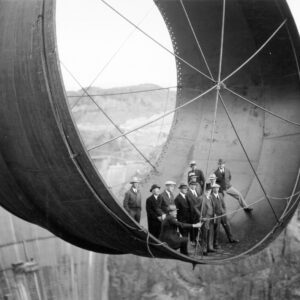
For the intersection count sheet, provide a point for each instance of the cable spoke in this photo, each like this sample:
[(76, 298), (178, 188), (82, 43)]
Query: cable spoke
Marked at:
[(126, 93), (155, 41), (255, 53), (113, 56), (196, 39), (246, 154), (212, 130), (260, 107), (222, 41), (156, 119), (110, 119)]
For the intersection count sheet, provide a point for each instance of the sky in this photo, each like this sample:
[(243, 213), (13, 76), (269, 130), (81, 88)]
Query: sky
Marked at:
[(90, 35)]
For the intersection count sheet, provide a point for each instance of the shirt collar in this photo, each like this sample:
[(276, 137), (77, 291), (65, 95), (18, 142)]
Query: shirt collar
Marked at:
[(183, 195)]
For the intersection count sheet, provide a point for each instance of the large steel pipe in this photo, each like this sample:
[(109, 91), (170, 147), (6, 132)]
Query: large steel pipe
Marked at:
[(47, 176)]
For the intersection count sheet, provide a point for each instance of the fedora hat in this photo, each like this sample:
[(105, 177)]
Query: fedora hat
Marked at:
[(183, 186), (208, 186), (171, 207), (221, 161), (170, 182), (134, 180), (215, 186), (212, 176), (154, 186)]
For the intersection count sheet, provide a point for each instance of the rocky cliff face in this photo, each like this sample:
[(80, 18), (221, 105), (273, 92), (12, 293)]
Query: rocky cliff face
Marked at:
[(272, 274)]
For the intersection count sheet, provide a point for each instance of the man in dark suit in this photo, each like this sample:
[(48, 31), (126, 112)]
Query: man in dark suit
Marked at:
[(167, 196), (224, 180), (206, 212), (197, 173), (169, 231), (193, 198), (133, 200), (220, 212), (155, 214), (184, 208)]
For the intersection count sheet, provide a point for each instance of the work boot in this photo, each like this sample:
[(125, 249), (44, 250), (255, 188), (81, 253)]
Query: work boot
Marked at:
[(248, 209), (233, 241)]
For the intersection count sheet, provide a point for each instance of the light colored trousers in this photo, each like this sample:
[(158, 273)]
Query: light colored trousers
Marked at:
[(233, 192)]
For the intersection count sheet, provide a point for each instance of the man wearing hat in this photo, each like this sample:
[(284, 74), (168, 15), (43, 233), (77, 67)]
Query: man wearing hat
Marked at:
[(197, 173), (184, 208), (221, 218), (169, 231), (167, 196), (206, 212), (193, 197), (133, 199), (155, 214), (223, 179)]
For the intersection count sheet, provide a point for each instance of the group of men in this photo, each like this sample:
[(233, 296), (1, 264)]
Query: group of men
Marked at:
[(194, 215)]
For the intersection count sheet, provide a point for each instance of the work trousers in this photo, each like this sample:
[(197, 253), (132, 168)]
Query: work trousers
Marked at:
[(224, 222), (233, 192), (207, 235), (135, 213)]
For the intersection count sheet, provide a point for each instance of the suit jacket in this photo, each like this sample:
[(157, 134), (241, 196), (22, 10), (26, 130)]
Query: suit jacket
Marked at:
[(208, 210), (184, 209), (132, 200), (200, 177), (169, 233), (194, 200), (166, 201), (223, 179), (219, 204), (153, 208)]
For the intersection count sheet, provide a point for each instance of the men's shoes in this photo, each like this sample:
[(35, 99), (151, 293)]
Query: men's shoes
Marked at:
[(211, 250), (248, 209), (233, 241), (217, 247)]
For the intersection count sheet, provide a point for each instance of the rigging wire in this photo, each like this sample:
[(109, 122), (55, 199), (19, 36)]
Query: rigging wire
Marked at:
[(126, 93), (246, 154), (154, 40), (260, 107), (196, 39), (113, 56), (156, 119), (110, 119), (255, 53)]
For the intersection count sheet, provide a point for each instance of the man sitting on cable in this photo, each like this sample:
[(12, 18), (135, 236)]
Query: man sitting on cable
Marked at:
[(223, 179)]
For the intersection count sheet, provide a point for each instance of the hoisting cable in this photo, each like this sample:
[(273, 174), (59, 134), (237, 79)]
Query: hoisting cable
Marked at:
[(113, 56), (255, 53), (109, 118), (196, 39), (154, 40), (287, 209), (155, 120), (218, 87), (126, 93), (260, 107), (249, 161)]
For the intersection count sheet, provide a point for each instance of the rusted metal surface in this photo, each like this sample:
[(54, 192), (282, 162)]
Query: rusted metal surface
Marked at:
[(47, 177)]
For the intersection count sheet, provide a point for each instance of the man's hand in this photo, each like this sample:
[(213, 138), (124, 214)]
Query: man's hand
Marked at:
[(197, 225)]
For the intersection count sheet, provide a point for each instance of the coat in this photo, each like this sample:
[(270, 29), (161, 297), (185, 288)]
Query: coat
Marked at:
[(208, 210), (169, 232), (194, 200), (219, 204), (200, 177), (223, 179), (184, 206), (166, 201), (154, 211), (132, 200)]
